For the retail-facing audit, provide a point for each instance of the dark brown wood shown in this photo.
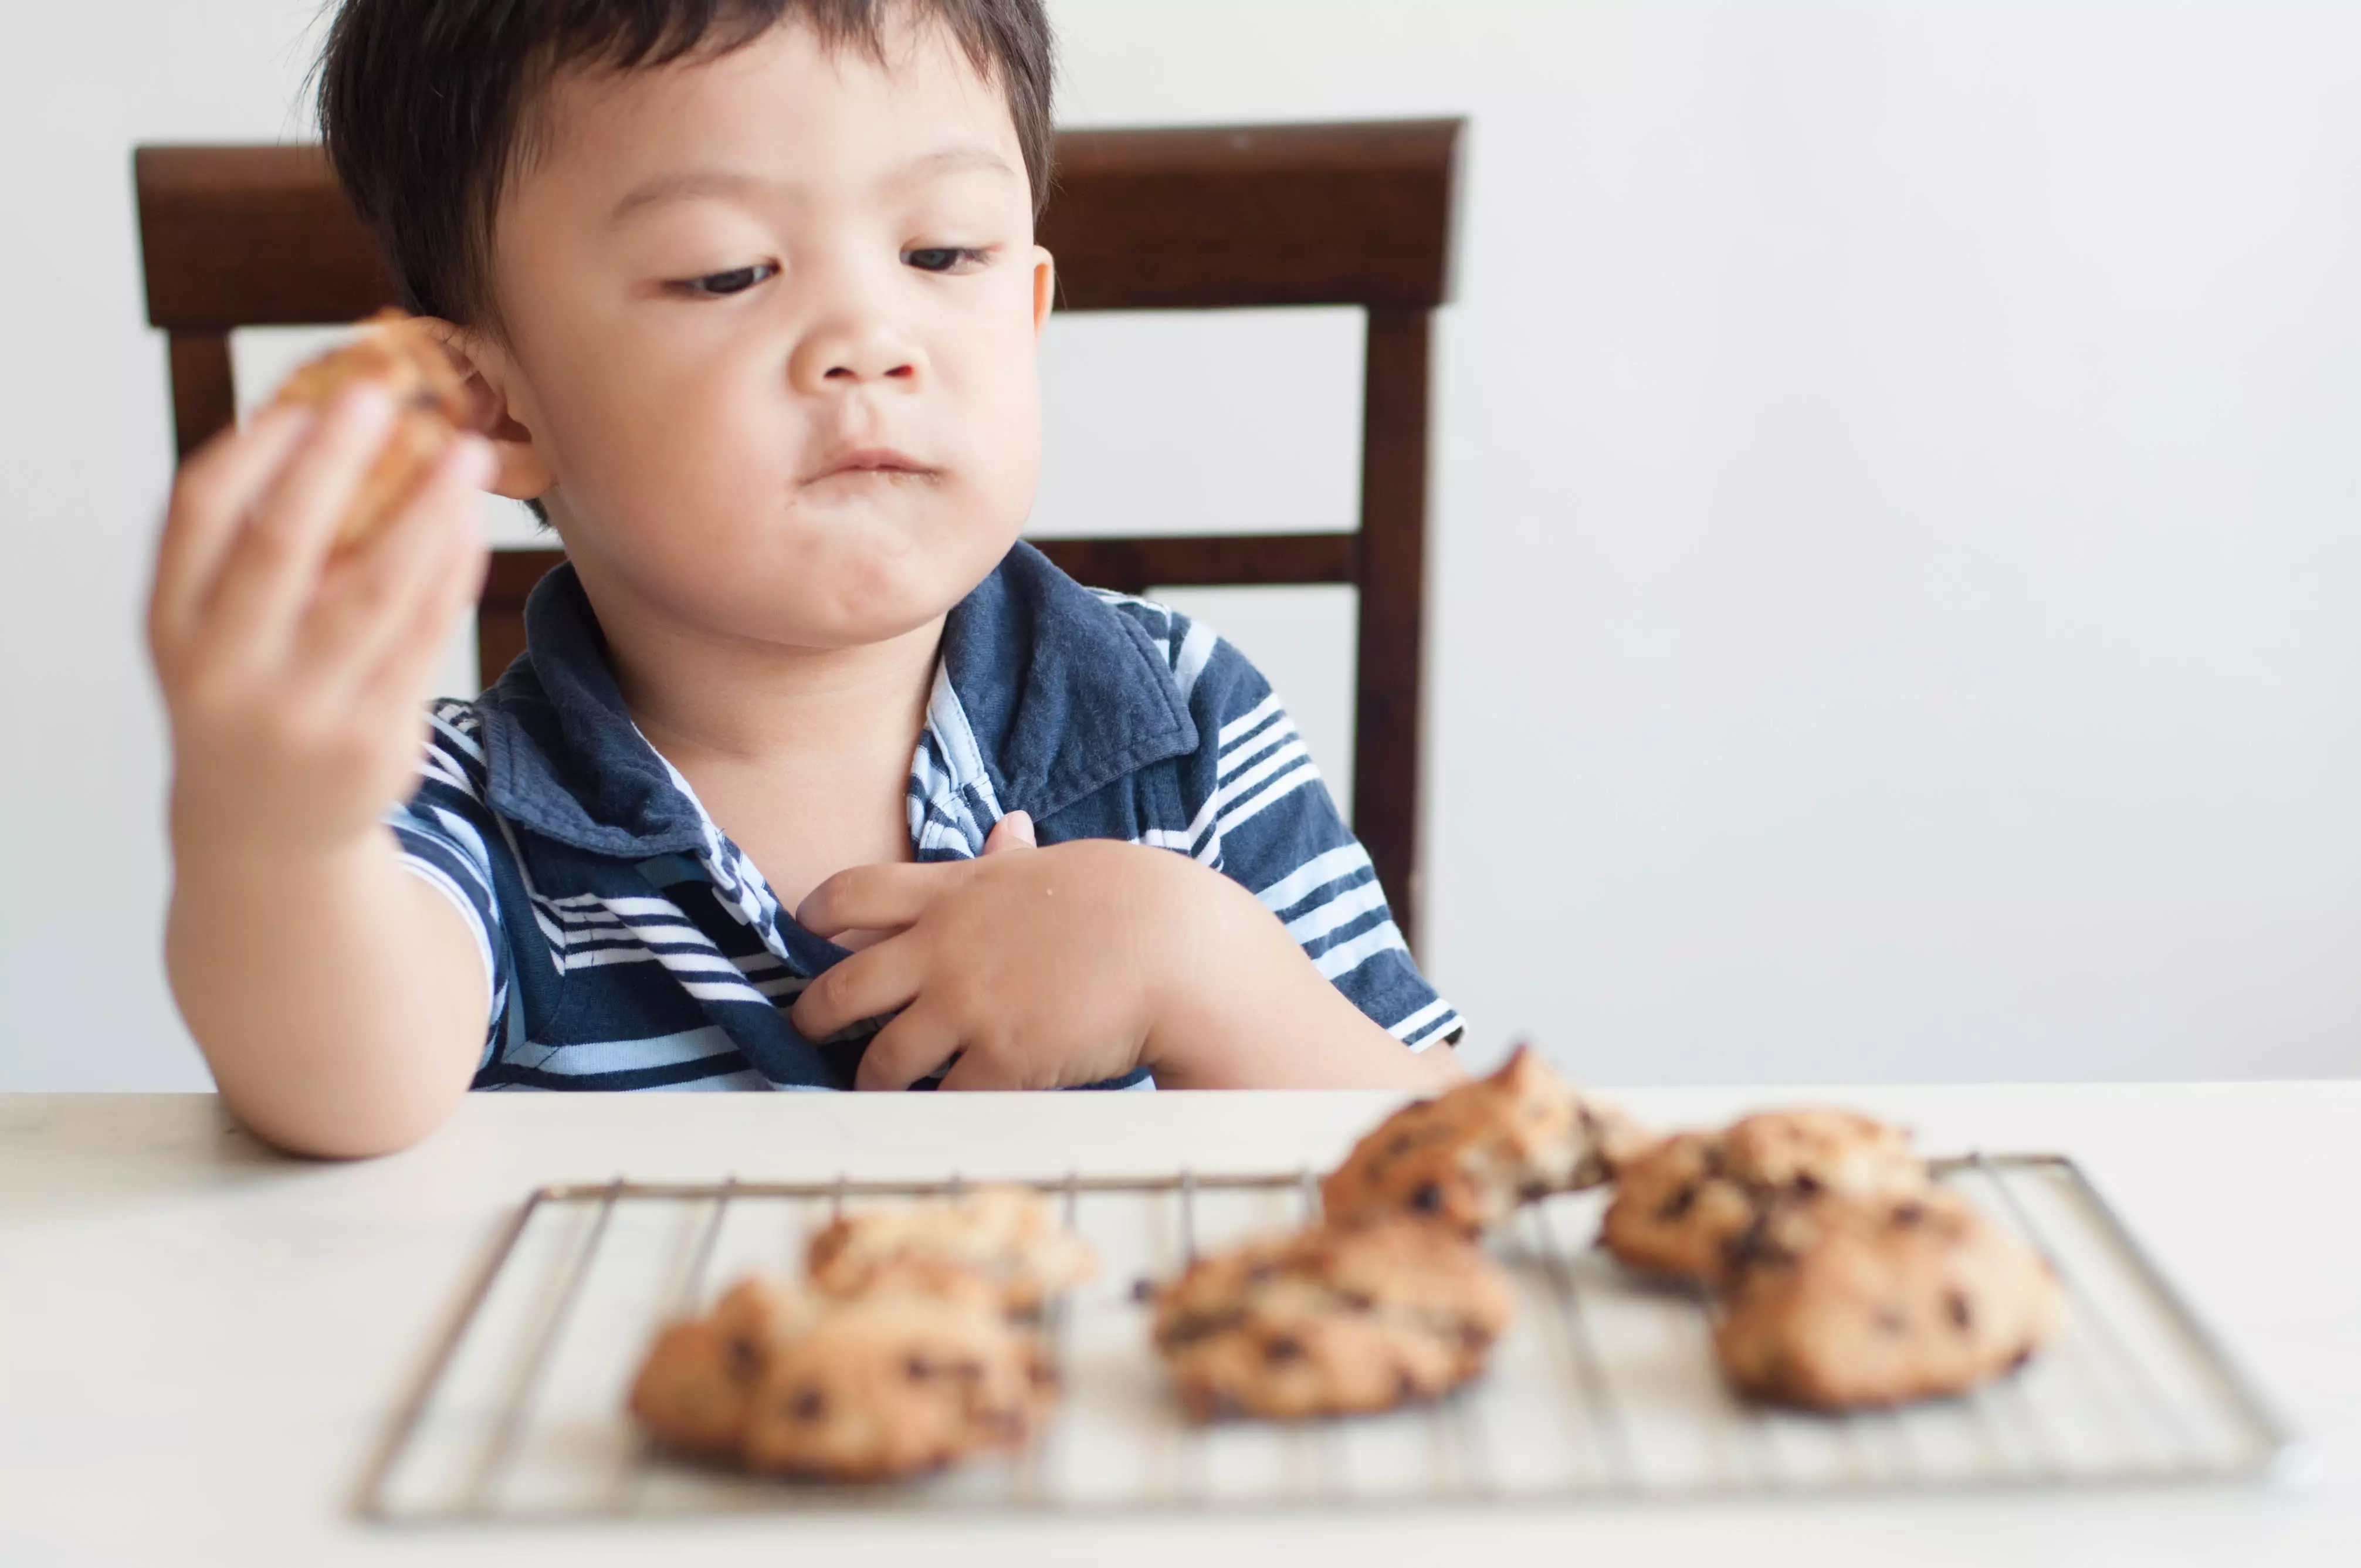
(1224, 216)
(1218, 216)
(1208, 217)
(1135, 566)
(252, 236)
(204, 397)
(1389, 699)
(499, 609)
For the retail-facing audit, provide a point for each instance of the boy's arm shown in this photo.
(1080, 962)
(339, 1000)
(1270, 1019)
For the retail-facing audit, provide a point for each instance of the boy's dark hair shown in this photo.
(427, 107)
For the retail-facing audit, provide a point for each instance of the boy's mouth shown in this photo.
(883, 461)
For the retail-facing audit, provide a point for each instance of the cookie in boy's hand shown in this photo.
(1470, 1156)
(398, 353)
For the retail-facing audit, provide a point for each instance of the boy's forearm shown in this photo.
(1252, 1011)
(340, 1002)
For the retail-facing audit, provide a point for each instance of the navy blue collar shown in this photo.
(1063, 692)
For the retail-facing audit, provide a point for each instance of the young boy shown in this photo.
(750, 302)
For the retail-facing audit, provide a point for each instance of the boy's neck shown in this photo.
(702, 698)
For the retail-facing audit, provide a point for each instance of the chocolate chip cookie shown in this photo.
(400, 354)
(1470, 1156)
(1340, 1319)
(1841, 1301)
(1005, 1237)
(698, 1384)
(1680, 1203)
(894, 1384)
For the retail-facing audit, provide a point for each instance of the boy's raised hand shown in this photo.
(292, 673)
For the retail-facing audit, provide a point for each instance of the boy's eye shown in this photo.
(941, 258)
(737, 281)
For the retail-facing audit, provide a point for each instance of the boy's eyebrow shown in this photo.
(967, 158)
(683, 186)
(691, 184)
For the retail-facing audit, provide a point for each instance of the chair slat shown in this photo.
(1205, 217)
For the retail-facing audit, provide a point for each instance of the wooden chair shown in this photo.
(1195, 219)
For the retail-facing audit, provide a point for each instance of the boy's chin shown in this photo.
(885, 606)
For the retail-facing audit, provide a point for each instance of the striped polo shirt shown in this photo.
(630, 945)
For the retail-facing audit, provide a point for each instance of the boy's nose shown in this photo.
(853, 352)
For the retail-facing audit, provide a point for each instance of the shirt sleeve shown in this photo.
(1259, 810)
(448, 838)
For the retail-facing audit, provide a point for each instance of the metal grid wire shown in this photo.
(1603, 1388)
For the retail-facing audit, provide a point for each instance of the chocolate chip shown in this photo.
(745, 1362)
(1891, 1322)
(917, 1369)
(1679, 1204)
(1475, 1336)
(1961, 1316)
(2020, 1358)
(1428, 1197)
(1402, 1144)
(1261, 1273)
(1807, 1185)
(1143, 1289)
(1908, 1214)
(1754, 1248)
(1282, 1348)
(1356, 1301)
(809, 1405)
(1533, 1191)
(1405, 1386)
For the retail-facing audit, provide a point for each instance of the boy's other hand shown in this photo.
(1040, 969)
(1048, 969)
(293, 673)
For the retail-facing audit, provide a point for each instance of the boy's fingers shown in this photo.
(269, 577)
(905, 1050)
(876, 898)
(979, 1070)
(1014, 831)
(873, 981)
(215, 491)
(405, 676)
(375, 598)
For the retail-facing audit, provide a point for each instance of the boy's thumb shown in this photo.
(1014, 831)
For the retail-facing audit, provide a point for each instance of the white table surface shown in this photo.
(202, 1345)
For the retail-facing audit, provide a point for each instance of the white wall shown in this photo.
(1895, 562)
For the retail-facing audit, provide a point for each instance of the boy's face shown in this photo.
(771, 322)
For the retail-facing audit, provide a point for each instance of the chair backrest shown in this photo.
(1219, 217)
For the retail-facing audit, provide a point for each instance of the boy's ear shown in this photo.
(496, 398)
(1045, 286)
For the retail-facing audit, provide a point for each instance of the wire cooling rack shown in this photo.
(1605, 1387)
